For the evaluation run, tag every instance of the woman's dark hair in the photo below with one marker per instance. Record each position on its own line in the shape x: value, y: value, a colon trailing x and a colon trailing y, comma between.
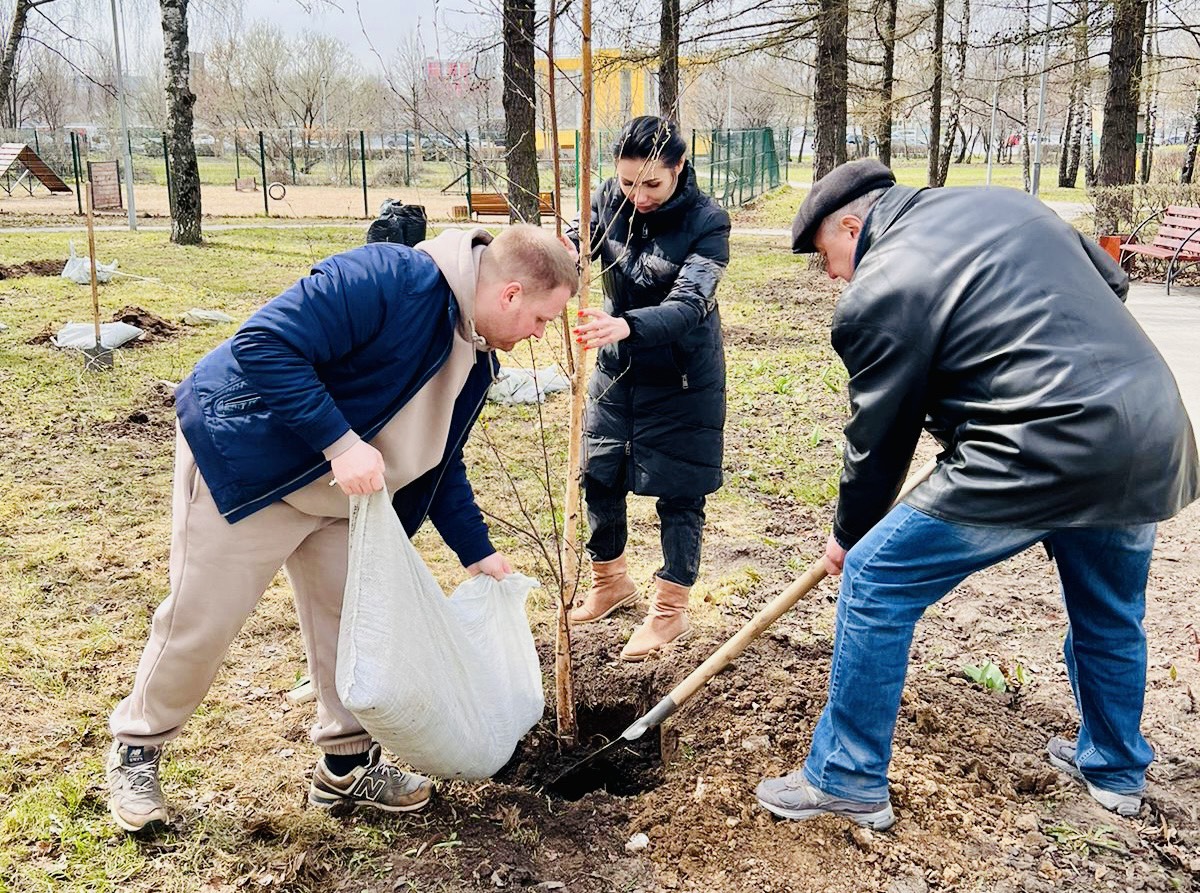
x: 649, y: 136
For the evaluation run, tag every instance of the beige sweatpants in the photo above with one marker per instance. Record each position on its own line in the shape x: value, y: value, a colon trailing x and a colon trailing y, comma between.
x: 219, y: 571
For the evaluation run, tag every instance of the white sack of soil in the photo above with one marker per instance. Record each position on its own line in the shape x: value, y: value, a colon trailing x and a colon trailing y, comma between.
x: 77, y: 269
x: 81, y: 335
x: 450, y: 686
x: 519, y: 385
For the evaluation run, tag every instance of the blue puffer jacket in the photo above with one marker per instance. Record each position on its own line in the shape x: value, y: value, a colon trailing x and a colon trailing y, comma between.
x: 344, y: 348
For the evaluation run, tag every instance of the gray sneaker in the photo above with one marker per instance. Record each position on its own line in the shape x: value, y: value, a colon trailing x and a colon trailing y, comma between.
x: 378, y: 784
x: 1062, y: 757
x: 792, y: 797
x: 134, y: 797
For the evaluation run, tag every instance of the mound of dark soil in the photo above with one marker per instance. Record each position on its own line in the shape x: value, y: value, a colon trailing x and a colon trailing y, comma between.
x: 49, y: 267
x: 154, y: 326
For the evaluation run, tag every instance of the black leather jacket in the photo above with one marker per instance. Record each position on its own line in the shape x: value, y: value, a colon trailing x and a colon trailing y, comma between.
x: 981, y: 316
x: 656, y: 400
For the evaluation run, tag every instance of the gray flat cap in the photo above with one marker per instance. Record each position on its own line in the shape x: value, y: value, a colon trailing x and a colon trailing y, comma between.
x: 839, y: 187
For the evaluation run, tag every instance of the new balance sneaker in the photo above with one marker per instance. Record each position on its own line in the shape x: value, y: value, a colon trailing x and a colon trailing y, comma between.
x: 134, y: 796
x: 792, y: 797
x: 1062, y: 757
x: 378, y: 784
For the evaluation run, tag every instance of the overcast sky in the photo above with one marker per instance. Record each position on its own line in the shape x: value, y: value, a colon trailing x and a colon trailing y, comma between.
x: 385, y: 22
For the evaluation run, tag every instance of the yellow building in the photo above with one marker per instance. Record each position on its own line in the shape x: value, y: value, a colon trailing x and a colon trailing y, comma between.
x: 622, y: 88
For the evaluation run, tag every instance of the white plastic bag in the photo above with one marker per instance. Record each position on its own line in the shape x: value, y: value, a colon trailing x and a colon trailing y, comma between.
x: 450, y: 686
x: 80, y: 335
x: 76, y: 269
x: 516, y: 384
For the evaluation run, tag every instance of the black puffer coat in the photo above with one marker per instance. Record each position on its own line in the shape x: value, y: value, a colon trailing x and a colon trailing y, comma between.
x: 656, y: 401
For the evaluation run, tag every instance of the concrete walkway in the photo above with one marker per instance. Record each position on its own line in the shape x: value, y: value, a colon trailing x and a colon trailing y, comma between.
x: 1173, y: 324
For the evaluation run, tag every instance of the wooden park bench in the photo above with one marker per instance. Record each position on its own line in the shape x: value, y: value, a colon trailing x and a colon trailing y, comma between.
x: 496, y: 205
x: 1177, y: 240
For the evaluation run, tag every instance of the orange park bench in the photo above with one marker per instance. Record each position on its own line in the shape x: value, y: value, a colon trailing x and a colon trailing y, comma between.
x: 494, y: 204
x: 1177, y: 240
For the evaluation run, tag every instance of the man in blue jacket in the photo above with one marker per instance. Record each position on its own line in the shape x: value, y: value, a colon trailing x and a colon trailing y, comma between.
x: 367, y: 373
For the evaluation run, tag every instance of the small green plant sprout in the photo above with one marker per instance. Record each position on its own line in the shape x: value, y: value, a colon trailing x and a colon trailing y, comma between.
x: 1173, y: 673
x: 1072, y: 838
x: 784, y: 385
x: 987, y: 675
x: 815, y: 437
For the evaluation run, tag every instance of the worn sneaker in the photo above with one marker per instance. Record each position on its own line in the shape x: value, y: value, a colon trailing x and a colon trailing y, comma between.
x: 378, y: 784
x: 134, y: 797
x: 792, y: 797
x: 1062, y: 757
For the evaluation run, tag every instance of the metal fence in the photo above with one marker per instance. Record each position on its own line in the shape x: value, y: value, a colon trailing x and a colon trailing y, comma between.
x: 734, y: 166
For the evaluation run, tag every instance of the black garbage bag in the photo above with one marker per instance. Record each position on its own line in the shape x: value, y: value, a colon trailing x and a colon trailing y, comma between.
x: 399, y: 223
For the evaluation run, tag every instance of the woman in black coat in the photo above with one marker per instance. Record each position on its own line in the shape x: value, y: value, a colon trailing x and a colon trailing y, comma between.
x: 655, y: 417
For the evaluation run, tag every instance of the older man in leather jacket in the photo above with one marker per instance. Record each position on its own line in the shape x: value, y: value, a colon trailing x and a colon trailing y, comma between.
x: 980, y: 316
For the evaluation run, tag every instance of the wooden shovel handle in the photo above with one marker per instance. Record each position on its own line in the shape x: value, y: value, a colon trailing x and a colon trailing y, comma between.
x: 774, y: 609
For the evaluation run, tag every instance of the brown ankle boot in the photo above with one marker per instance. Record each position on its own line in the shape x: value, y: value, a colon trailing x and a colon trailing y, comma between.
x: 611, y: 589
x: 666, y: 622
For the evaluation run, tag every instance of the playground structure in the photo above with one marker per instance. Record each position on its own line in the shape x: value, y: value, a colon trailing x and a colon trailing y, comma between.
x: 19, y: 155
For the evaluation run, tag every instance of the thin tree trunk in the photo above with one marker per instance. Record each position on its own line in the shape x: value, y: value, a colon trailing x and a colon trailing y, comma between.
x: 1026, y: 27
x: 566, y: 719
x: 1151, y: 65
x: 883, y: 133
x: 668, y: 61
x: 1118, y: 139
x: 830, y: 88
x: 185, y: 173
x: 520, y: 118
x: 954, y: 127
x: 1087, y: 149
x: 935, y: 94
x: 1068, y: 172
x: 1189, y: 160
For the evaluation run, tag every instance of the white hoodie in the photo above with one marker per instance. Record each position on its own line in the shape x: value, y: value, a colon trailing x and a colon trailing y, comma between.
x: 414, y: 440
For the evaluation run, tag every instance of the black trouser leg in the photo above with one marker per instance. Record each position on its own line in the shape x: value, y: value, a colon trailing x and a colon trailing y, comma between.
x: 682, y: 525
x: 606, y: 519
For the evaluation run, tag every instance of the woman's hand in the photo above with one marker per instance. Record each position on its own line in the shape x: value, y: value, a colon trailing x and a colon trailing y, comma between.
x: 601, y: 329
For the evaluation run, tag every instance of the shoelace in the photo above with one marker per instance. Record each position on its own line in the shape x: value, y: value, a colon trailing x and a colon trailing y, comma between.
x: 142, y: 777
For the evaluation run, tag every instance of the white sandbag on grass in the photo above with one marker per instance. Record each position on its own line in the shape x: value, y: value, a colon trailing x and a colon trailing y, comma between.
x: 450, y: 686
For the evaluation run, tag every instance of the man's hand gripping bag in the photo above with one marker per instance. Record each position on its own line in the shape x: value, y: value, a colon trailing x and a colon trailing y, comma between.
x: 450, y: 686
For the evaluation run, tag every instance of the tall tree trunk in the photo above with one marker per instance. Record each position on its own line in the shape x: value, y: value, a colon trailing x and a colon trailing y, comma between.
x: 883, y: 134
x: 520, y: 111
x: 8, y: 61
x: 954, y: 125
x: 1068, y: 171
x: 185, y: 173
x: 830, y: 88
x: 1118, y: 139
x: 1151, y: 66
x: 935, y: 93
x: 668, y: 61
x: 1026, y: 27
x: 1189, y: 160
x: 1088, y: 150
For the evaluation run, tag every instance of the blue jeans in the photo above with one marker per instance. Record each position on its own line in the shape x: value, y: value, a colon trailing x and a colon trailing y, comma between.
x: 909, y: 561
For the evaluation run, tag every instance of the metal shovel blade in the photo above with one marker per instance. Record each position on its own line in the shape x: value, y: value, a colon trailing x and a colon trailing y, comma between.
x: 636, y: 730
x: 96, y: 358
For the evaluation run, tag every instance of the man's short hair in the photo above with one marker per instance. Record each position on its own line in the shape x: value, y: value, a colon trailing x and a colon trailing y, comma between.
x: 534, y: 257
x: 859, y: 207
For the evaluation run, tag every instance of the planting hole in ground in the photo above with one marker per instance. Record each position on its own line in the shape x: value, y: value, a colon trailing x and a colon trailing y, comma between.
x: 630, y: 768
